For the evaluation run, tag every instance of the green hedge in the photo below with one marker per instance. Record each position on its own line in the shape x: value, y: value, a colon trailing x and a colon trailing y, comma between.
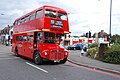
x: 92, y: 52
x: 112, y: 55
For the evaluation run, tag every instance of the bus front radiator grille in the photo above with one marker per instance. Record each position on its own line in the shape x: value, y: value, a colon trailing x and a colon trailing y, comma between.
x: 57, y: 54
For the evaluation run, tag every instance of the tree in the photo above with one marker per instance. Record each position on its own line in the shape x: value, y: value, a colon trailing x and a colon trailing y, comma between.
x: 86, y: 35
x: 83, y: 35
x: 115, y: 39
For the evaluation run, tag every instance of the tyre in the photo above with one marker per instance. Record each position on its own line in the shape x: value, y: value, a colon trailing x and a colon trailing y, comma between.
x: 37, y: 58
x: 63, y: 61
x: 16, y: 52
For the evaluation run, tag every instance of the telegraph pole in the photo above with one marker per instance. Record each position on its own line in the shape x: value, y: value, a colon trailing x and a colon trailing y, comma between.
x: 110, y: 21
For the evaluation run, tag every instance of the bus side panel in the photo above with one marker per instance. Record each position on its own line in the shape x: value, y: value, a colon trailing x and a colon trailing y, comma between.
x: 28, y: 46
x: 28, y: 50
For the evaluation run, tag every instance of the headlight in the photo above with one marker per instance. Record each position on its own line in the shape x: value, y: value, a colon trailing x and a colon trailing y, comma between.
x: 66, y: 53
x: 45, y: 53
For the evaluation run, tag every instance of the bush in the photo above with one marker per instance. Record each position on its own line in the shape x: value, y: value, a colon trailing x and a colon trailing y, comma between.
x: 112, y: 55
x: 92, y: 52
x: 117, y: 39
x: 94, y: 45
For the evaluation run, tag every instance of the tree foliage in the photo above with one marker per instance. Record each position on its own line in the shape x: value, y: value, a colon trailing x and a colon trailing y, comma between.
x: 112, y: 55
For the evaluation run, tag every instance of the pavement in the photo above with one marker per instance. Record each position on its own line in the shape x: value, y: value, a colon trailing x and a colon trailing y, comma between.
x: 5, y: 51
x: 76, y: 58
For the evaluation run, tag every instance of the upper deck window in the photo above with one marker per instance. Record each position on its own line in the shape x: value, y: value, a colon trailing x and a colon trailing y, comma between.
x: 19, y: 21
x: 62, y: 16
x: 39, y: 14
x: 26, y: 19
x: 32, y: 16
x: 50, y: 13
x: 22, y: 20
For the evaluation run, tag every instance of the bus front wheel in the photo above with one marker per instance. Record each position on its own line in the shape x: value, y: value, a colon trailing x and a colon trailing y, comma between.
x: 63, y: 61
x: 37, y: 58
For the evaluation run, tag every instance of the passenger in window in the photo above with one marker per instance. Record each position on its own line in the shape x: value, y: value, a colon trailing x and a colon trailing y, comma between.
x: 29, y: 39
x: 39, y: 39
x: 25, y: 39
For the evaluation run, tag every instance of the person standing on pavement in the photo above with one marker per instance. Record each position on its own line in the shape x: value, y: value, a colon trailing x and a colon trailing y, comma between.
x: 81, y: 49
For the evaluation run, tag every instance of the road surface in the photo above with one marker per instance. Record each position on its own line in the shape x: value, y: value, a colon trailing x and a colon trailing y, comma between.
x: 17, y: 68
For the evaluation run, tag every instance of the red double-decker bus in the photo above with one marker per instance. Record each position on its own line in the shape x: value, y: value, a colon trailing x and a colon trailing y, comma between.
x: 37, y: 35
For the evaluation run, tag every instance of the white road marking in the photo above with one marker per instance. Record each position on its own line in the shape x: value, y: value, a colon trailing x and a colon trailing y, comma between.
x: 37, y: 67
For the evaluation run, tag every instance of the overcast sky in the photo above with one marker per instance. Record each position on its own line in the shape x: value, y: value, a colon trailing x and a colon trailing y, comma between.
x: 84, y: 15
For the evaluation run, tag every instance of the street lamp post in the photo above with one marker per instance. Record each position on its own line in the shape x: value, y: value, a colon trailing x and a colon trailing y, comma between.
x: 110, y: 21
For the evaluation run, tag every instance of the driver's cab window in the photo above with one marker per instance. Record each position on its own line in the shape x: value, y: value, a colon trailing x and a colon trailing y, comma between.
x: 58, y: 38
x: 39, y: 37
x: 49, y: 37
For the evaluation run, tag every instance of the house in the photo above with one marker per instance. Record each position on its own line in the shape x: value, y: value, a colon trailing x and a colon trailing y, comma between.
x: 101, y: 37
x: 5, y: 34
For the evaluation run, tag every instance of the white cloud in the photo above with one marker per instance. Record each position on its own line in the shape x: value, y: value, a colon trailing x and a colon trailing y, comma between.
x: 96, y: 13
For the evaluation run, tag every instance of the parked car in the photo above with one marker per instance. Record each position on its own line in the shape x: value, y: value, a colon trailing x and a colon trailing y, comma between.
x: 70, y: 47
x: 76, y: 46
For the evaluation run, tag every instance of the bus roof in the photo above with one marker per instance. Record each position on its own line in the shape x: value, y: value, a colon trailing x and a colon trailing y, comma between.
x: 43, y: 7
x: 54, y: 8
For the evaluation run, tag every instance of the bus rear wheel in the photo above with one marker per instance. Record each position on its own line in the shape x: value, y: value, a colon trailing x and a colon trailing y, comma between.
x: 37, y: 58
x: 16, y: 52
